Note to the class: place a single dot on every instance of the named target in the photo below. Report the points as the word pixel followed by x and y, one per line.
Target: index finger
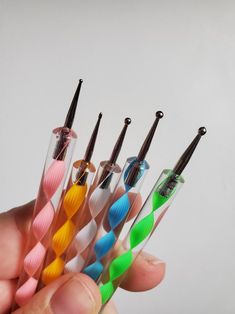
pixel 14 226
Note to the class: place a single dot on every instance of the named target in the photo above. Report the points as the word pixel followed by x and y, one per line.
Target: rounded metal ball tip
pixel 100 115
pixel 202 131
pixel 128 121
pixel 80 81
pixel 159 114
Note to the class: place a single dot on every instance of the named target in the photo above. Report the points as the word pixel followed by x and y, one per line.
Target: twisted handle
pixel 96 204
pixel 40 226
pixel 64 235
pixel 117 215
pixel 138 233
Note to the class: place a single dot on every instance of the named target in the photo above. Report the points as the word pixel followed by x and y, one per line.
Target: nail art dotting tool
pixel 53 177
pixel 147 220
pixel 96 204
pixel 129 186
pixel 64 229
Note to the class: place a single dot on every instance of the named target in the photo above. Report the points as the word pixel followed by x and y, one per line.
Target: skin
pixel 71 293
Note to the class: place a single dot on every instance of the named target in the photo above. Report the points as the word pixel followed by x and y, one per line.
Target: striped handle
pixel 64 235
pixel 40 226
pixel 117 214
pixel 139 233
pixel 83 239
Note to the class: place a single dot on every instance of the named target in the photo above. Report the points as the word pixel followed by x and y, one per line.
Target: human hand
pixel 71 293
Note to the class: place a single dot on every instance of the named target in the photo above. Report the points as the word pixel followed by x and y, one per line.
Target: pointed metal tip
pixel 78 87
pixel 127 121
pixel 202 131
pixel 72 109
pixel 91 145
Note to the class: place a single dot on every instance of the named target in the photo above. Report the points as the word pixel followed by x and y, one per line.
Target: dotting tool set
pixel 80 226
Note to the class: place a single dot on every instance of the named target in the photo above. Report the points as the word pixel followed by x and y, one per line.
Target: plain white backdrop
pixel 135 57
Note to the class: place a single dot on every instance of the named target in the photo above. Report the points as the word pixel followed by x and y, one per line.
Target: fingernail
pixel 74 297
pixel 150 259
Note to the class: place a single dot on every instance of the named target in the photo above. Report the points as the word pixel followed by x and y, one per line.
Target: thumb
pixel 70 294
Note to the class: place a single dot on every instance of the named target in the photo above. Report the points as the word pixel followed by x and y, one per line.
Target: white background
pixel 135 57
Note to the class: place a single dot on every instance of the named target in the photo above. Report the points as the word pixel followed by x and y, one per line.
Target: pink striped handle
pixel 40 226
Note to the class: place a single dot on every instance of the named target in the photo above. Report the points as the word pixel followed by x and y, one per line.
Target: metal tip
pixel 184 159
pixel 100 115
pixel 118 145
pixel 202 131
pixel 159 114
pixel 145 147
pixel 72 110
pixel 91 145
pixel 127 121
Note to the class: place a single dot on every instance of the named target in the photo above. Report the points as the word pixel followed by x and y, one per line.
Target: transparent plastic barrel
pixel 116 215
pixel 53 178
pixel 65 226
pixel 142 228
pixel 97 202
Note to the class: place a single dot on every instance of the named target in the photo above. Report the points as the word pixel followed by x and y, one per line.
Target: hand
pixel 71 293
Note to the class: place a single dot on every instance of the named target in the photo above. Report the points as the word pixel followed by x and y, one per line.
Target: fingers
pixel 72 294
pixel 13 226
pixel 7 288
pixel 146 273
pixel 109 308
